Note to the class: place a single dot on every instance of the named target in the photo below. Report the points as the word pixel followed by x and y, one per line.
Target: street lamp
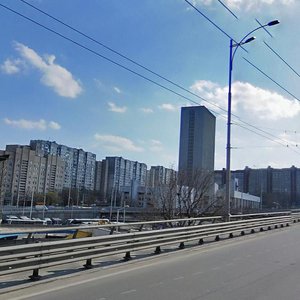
pixel 118 210
pixel 243 41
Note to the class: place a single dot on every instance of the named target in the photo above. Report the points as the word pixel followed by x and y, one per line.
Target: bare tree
pixel 186 195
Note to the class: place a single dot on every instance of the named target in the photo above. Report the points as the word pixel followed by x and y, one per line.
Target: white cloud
pixel 263 104
pixel 117 143
pixel 116 89
pixel 245 4
pixel 156 146
pixel 32 125
pixel 11 66
pixel 118 109
pixel 146 110
pixel 54 125
pixel 53 75
pixel 168 107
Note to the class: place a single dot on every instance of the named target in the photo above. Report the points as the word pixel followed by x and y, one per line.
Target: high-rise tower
pixel 197 140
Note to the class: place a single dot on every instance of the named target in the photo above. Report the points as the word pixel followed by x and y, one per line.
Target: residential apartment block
pixel 117 174
pixel 80 166
pixel 24 173
pixel 278 187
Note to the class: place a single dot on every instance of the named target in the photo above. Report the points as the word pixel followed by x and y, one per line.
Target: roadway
pixel 263 266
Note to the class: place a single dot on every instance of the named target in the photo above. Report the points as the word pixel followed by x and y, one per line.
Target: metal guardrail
pixel 36 256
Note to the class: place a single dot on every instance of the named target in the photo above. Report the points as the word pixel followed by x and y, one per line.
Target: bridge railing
pixel 36 256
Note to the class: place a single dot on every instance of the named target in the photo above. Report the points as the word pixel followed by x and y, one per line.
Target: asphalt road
pixel 266 266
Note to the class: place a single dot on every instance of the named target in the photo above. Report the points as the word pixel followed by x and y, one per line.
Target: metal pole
pixel 44 205
pixel 69 196
pixel 124 212
pixel 117 219
pixel 228 147
pixel 31 204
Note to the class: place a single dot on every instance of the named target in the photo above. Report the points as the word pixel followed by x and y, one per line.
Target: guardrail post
pixel 200 242
pixel 88 264
pixel 35 275
pixel 181 245
pixel 252 230
pixel 230 235
pixel 157 250
pixel 217 238
pixel 242 232
pixel 127 256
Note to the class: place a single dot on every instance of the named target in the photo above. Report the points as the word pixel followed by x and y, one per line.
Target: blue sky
pixel 53 89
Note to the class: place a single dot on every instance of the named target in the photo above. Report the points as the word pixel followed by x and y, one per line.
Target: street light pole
pixel 228 145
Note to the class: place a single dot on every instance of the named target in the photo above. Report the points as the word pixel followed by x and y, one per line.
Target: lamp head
pixel 252 38
pixel 272 23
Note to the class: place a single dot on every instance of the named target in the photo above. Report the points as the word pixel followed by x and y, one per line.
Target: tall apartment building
pixel 197 140
pixel 159 175
pixel 80 166
pixel 24 173
pixel 277 187
pixel 118 173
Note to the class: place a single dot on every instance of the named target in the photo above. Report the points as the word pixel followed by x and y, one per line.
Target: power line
pixel 266 137
pixel 264 28
pixel 140 75
pixel 228 9
pixel 281 58
pixel 142 66
pixel 212 22
pixel 278 84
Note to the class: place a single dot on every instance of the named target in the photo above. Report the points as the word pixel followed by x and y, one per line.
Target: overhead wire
pixel 264 28
pixel 269 77
pixel 282 59
pixel 228 9
pixel 140 65
pixel 138 74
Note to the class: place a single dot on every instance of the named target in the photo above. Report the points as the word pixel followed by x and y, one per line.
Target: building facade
pixel 197 140
pixel 25 173
pixel 80 166
pixel 279 188
pixel 119 174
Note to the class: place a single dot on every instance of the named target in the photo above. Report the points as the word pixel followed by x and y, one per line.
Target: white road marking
pixel 178 278
pixel 197 273
pixel 156 284
pixel 128 292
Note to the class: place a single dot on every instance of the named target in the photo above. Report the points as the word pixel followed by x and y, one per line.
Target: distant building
pixel 25 173
pixel 197 140
pixel 159 175
pixel 80 166
pixel 119 174
pixel 277 187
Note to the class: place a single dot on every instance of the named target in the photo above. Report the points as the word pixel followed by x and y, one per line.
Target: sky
pixel 68 88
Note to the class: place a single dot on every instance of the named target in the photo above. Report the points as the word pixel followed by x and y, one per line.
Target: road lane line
pixel 178 278
pixel 128 292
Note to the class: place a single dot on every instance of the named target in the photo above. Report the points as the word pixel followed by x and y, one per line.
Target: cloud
pixel 54 125
pixel 53 75
pixel 146 110
pixel 118 109
pixel 244 4
pixel 168 107
pixel 156 146
pixel 11 66
pixel 117 143
pixel 32 125
pixel 247 98
pixel 116 89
